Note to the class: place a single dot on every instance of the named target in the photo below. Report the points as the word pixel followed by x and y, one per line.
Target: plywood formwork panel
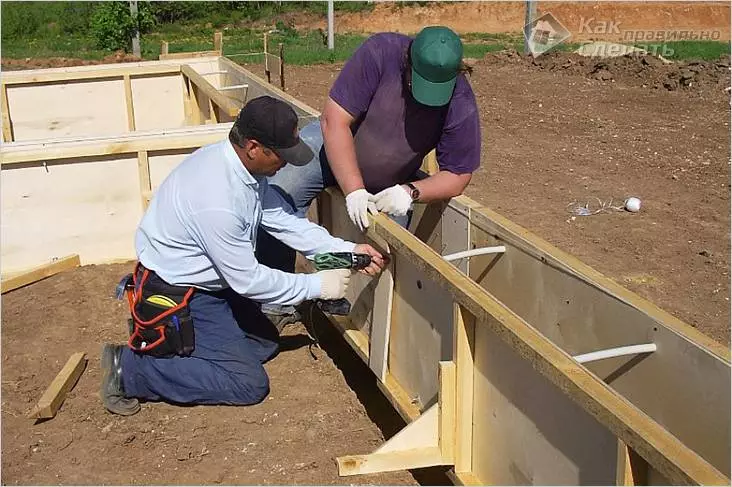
pixel 163 162
pixel 88 208
pixel 421 332
pixel 79 109
pixel 581 318
pixel 526 431
pixel 158 102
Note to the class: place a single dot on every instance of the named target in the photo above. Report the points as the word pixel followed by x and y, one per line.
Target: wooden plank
pixel 227 105
pixel 143 170
pixel 54 396
pixel 8 135
pixel 423 432
pixel 399 398
pixel 40 272
pixel 656 445
pixel 381 321
pixel 463 478
pixel 464 356
pixel 579 314
pixel 129 103
pixel 19 78
pixel 447 419
pixel 526 431
pixel 174 139
pixel 163 49
pixel 186 89
pixel 195 99
pixel 187 55
pixel 390 462
pixel 219 42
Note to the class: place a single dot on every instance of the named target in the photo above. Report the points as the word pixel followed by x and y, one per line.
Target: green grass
pixel 687 50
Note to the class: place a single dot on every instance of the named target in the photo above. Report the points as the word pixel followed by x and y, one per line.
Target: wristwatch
pixel 414 191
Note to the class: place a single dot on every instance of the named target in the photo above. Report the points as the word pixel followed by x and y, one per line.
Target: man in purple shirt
pixel 395 100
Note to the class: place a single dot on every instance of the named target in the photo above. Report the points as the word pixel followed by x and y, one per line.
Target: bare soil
pixel 317 409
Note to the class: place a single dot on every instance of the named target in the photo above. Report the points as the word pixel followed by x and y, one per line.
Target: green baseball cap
pixel 436 56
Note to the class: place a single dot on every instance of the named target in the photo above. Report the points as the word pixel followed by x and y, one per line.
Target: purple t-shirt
pixel 393 132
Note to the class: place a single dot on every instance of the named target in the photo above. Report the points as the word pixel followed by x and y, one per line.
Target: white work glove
pixel 334 283
pixel 359 205
pixel 394 200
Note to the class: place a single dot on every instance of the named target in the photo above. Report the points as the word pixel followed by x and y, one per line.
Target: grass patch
pixel 687 50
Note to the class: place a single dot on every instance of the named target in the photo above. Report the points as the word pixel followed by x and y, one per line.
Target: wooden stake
pixel 129 103
pixel 163 49
pixel 8 135
pixel 267 72
pixel 219 42
pixel 464 353
pixel 40 272
pixel 54 396
pixel 282 66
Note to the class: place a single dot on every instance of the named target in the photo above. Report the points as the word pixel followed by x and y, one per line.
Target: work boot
pixel 112 391
pixel 281 316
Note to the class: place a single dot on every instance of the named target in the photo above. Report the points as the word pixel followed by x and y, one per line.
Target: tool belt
pixel 161 323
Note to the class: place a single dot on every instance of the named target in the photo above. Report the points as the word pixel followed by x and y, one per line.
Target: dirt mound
pixel 633 70
pixel 64 62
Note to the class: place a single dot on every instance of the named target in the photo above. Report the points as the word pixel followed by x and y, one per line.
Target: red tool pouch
pixel 161 323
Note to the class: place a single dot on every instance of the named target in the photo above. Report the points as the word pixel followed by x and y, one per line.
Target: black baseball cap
pixel 273 123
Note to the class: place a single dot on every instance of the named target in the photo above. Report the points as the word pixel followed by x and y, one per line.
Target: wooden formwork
pixel 477 354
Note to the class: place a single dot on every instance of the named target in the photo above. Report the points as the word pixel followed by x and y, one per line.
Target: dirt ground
pixel 317 409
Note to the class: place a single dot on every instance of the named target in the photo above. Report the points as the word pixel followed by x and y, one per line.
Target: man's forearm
pixel 341 152
pixel 442 186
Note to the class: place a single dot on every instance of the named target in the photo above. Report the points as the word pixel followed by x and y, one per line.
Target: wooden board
pixel 526 431
pixel 41 272
pixel 581 318
pixel 54 396
pixel 421 332
pixel 656 445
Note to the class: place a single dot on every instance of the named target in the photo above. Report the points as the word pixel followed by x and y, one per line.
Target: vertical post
pixel 282 66
pixel 331 42
pixel 163 49
pixel 143 169
pixel 136 34
pixel 219 43
pixel 8 135
pixel 464 356
pixel 266 59
pixel 129 103
pixel 530 16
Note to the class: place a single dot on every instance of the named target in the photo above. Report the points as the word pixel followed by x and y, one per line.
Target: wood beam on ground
pixel 40 272
pixel 51 401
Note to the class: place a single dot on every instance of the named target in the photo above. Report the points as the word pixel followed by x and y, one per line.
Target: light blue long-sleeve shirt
pixel 201 229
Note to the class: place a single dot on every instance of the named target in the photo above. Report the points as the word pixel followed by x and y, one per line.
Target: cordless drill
pixel 339 260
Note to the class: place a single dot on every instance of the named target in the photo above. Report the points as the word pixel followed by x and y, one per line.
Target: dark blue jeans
pixel 232 341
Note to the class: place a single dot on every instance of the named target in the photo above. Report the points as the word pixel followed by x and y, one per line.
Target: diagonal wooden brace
pixel 426 442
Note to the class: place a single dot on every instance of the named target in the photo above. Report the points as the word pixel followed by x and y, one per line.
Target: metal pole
pixel 530 16
pixel 331 28
pixel 136 35
pixel 282 66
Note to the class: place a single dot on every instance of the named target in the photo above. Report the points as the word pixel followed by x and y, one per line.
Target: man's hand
pixel 334 283
pixel 377 260
pixel 359 205
pixel 395 200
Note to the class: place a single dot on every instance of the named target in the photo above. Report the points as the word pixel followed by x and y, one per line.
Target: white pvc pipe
pixel 233 87
pixel 615 352
pixel 473 252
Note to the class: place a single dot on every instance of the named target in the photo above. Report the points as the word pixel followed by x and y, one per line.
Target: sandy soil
pixel 317 409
